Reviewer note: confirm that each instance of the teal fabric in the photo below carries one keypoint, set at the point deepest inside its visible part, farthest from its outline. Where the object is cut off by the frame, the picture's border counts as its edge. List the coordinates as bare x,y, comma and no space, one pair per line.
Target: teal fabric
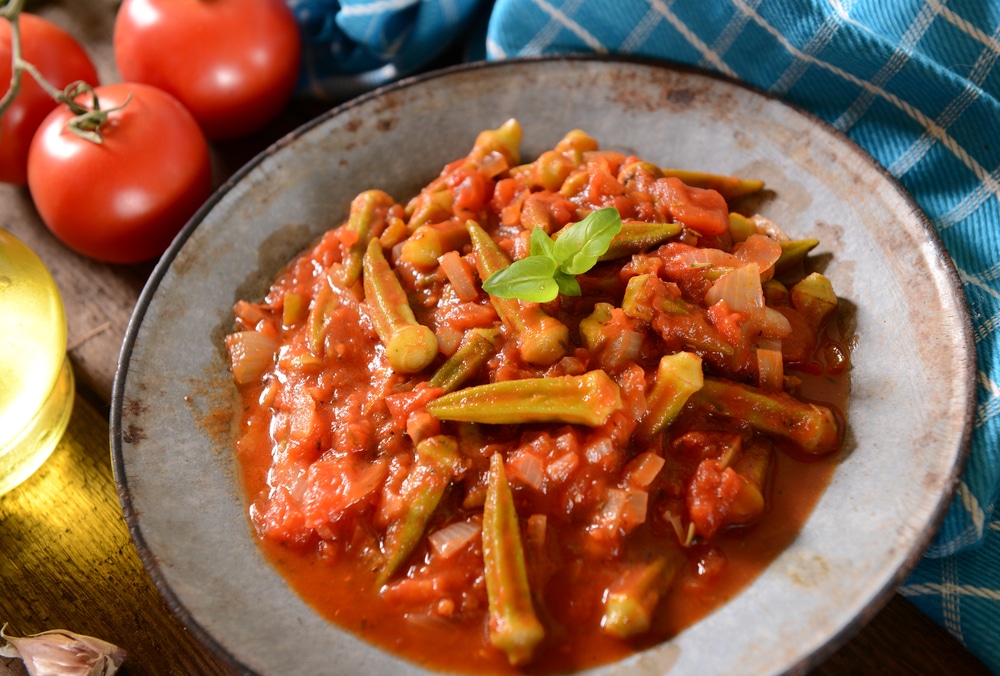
914,82
349,46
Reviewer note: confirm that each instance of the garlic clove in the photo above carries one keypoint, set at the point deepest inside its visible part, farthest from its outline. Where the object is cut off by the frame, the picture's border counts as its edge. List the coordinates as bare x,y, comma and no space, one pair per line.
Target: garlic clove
63,653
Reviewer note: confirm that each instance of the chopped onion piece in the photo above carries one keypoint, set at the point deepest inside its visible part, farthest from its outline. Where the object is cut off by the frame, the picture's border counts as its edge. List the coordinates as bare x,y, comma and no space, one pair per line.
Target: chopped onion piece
741,290
459,273
674,519
610,515
527,469
625,347
598,450
644,467
770,370
453,537
251,354
766,226
634,510
560,469
759,249
773,324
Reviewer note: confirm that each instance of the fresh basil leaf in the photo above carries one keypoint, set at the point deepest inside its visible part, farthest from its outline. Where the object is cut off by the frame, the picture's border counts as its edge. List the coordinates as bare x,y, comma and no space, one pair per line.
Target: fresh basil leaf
541,244
568,286
577,249
529,279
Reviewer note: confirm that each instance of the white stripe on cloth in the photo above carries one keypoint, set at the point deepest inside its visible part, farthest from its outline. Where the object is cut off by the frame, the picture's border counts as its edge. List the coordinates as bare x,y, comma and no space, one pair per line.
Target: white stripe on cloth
969,29
994,525
980,71
969,204
988,384
933,589
495,51
732,30
376,8
973,280
820,39
988,409
641,31
900,56
986,328
971,504
562,19
951,603
707,55
916,115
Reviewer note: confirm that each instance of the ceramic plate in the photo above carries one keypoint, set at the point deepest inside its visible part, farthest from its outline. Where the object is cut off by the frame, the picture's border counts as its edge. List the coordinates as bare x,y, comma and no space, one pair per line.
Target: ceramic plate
910,409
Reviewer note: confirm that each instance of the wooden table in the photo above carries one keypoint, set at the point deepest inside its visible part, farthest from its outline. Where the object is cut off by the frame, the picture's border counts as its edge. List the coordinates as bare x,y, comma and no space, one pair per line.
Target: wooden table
66,559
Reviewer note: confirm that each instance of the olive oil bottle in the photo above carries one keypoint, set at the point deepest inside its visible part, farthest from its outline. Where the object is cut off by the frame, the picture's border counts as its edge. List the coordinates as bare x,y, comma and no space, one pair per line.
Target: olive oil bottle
36,379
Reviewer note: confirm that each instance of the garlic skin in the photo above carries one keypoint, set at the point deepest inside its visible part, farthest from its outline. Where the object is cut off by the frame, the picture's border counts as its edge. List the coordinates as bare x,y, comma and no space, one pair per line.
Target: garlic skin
63,653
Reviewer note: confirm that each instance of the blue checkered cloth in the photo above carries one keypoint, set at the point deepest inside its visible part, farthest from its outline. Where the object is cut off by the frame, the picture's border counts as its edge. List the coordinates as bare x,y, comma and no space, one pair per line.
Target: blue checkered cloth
914,82
349,46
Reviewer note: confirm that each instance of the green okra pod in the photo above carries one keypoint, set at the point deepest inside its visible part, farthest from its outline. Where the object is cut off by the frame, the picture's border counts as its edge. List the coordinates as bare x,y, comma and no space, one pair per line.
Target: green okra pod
588,399
477,346
637,236
429,242
730,187
364,213
514,626
318,318
815,298
630,603
505,139
752,465
793,252
540,338
422,490
677,377
410,346
813,428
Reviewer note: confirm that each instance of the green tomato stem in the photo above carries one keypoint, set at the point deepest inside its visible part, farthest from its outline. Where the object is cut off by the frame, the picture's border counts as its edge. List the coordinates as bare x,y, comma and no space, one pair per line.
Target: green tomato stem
87,121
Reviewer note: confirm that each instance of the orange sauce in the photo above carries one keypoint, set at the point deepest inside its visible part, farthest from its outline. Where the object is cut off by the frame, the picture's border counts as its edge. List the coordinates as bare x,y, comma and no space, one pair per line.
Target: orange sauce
328,434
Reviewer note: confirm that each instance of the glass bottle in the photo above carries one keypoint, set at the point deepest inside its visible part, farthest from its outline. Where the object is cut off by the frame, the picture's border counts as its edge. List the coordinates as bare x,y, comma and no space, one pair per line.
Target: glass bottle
36,378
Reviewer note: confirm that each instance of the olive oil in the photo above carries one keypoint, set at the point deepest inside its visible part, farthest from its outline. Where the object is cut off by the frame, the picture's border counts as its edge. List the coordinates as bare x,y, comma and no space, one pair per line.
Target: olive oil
36,379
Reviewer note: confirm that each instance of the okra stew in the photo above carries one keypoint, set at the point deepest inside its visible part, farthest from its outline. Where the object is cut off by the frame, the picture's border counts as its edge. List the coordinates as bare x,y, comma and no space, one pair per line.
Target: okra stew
542,414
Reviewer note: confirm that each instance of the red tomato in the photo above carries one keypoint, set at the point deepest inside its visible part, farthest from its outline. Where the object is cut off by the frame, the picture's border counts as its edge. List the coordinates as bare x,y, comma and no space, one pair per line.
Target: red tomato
122,200
61,60
233,63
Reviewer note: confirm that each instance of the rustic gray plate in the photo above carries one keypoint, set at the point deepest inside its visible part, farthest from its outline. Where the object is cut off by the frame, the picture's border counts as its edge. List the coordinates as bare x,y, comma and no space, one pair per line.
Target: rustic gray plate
909,415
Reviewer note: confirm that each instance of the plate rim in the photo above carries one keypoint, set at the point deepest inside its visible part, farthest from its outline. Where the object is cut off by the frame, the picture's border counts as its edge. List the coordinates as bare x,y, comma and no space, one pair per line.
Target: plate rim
872,606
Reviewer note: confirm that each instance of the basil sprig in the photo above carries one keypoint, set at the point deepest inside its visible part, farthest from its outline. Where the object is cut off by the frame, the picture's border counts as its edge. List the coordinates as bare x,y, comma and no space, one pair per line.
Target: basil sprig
552,265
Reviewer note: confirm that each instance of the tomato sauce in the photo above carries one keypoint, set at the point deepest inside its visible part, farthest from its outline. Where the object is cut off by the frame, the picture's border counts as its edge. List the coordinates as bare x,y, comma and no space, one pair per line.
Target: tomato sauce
659,437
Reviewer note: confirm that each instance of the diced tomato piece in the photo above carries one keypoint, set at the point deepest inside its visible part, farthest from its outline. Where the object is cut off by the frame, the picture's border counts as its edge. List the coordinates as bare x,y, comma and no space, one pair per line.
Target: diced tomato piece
702,210
281,518
471,189
337,483
711,495
403,404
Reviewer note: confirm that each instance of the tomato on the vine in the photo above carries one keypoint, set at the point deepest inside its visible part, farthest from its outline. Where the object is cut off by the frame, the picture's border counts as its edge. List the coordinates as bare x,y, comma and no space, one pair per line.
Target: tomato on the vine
121,200
232,63
61,60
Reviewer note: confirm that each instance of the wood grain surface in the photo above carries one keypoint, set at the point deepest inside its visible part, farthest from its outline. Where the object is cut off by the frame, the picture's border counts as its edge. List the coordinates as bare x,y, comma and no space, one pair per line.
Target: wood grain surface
66,558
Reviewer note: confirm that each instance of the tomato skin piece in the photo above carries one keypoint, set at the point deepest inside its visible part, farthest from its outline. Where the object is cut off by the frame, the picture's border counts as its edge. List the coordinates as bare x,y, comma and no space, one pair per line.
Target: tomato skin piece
123,200
232,63
61,60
